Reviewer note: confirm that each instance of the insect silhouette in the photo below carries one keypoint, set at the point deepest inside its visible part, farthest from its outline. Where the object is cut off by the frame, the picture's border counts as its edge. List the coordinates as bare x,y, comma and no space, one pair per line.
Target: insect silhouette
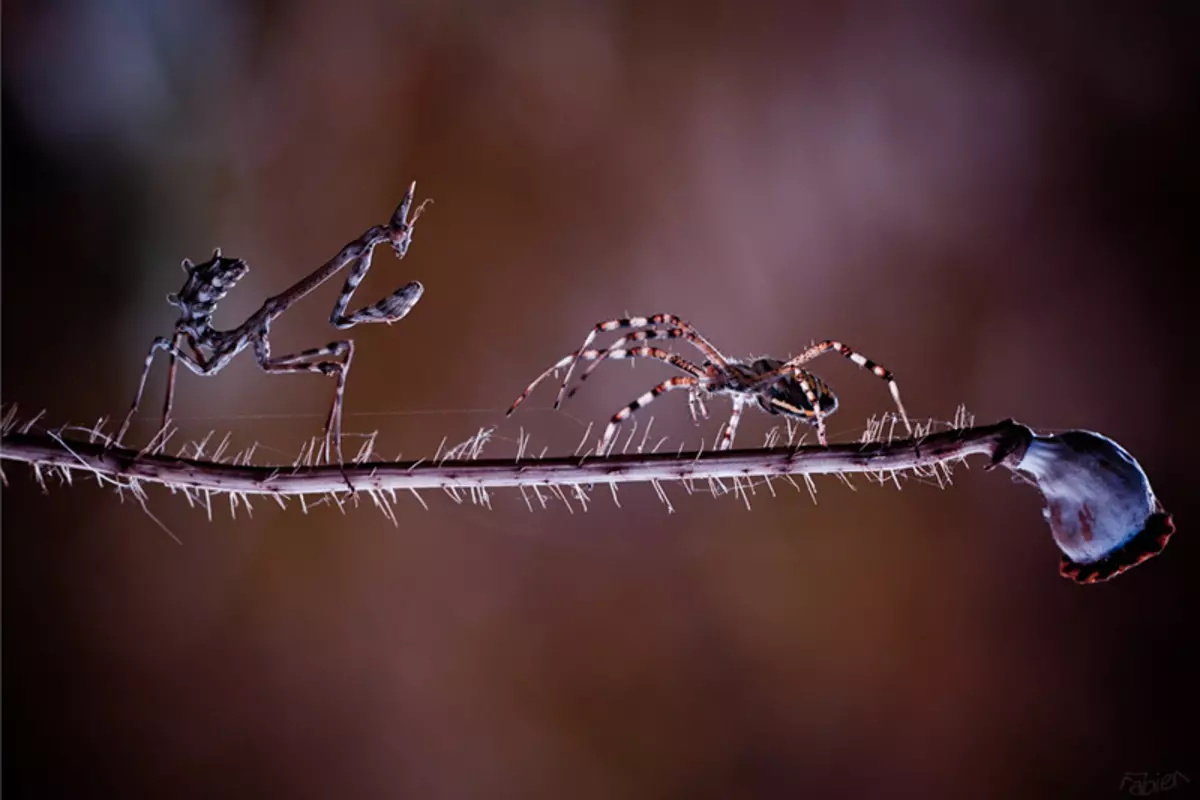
205,350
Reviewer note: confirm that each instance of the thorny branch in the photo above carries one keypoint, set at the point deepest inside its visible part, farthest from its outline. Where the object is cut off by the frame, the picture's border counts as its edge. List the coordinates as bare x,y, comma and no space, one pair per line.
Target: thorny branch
1102,513
1101,510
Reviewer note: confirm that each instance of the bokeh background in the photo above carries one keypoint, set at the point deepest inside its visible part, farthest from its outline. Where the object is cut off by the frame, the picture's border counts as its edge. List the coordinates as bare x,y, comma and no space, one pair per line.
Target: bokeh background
987,198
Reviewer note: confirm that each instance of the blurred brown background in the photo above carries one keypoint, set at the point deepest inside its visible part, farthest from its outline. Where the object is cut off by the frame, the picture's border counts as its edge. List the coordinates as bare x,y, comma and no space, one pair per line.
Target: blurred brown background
987,198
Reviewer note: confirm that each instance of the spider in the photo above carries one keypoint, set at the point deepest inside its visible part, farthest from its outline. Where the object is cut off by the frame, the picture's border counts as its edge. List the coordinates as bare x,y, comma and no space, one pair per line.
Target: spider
210,350
774,386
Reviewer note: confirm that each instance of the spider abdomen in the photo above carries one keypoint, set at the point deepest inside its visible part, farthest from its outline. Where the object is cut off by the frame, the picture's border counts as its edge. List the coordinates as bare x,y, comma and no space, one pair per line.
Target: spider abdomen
787,396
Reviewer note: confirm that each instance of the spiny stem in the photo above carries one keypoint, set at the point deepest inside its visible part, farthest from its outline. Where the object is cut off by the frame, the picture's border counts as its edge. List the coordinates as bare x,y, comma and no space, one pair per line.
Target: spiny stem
1101,510
1000,441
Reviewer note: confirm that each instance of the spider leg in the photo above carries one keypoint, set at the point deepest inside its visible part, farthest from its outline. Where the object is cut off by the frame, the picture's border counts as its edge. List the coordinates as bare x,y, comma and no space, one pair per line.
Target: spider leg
642,336
731,426
392,308
645,351
333,359
693,399
711,353
817,417
598,355
668,385
862,361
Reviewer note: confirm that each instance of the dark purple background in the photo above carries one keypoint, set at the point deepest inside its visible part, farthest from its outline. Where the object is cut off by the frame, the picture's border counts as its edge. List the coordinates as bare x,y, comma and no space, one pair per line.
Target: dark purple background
989,199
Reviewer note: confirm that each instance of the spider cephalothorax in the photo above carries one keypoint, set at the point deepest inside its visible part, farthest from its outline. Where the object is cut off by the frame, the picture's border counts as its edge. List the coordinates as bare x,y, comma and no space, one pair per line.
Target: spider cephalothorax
774,386
205,351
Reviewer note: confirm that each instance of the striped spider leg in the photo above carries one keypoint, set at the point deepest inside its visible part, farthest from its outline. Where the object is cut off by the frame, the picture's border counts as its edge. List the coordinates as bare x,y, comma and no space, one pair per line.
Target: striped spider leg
618,350
670,384
615,350
676,328
673,322
205,350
